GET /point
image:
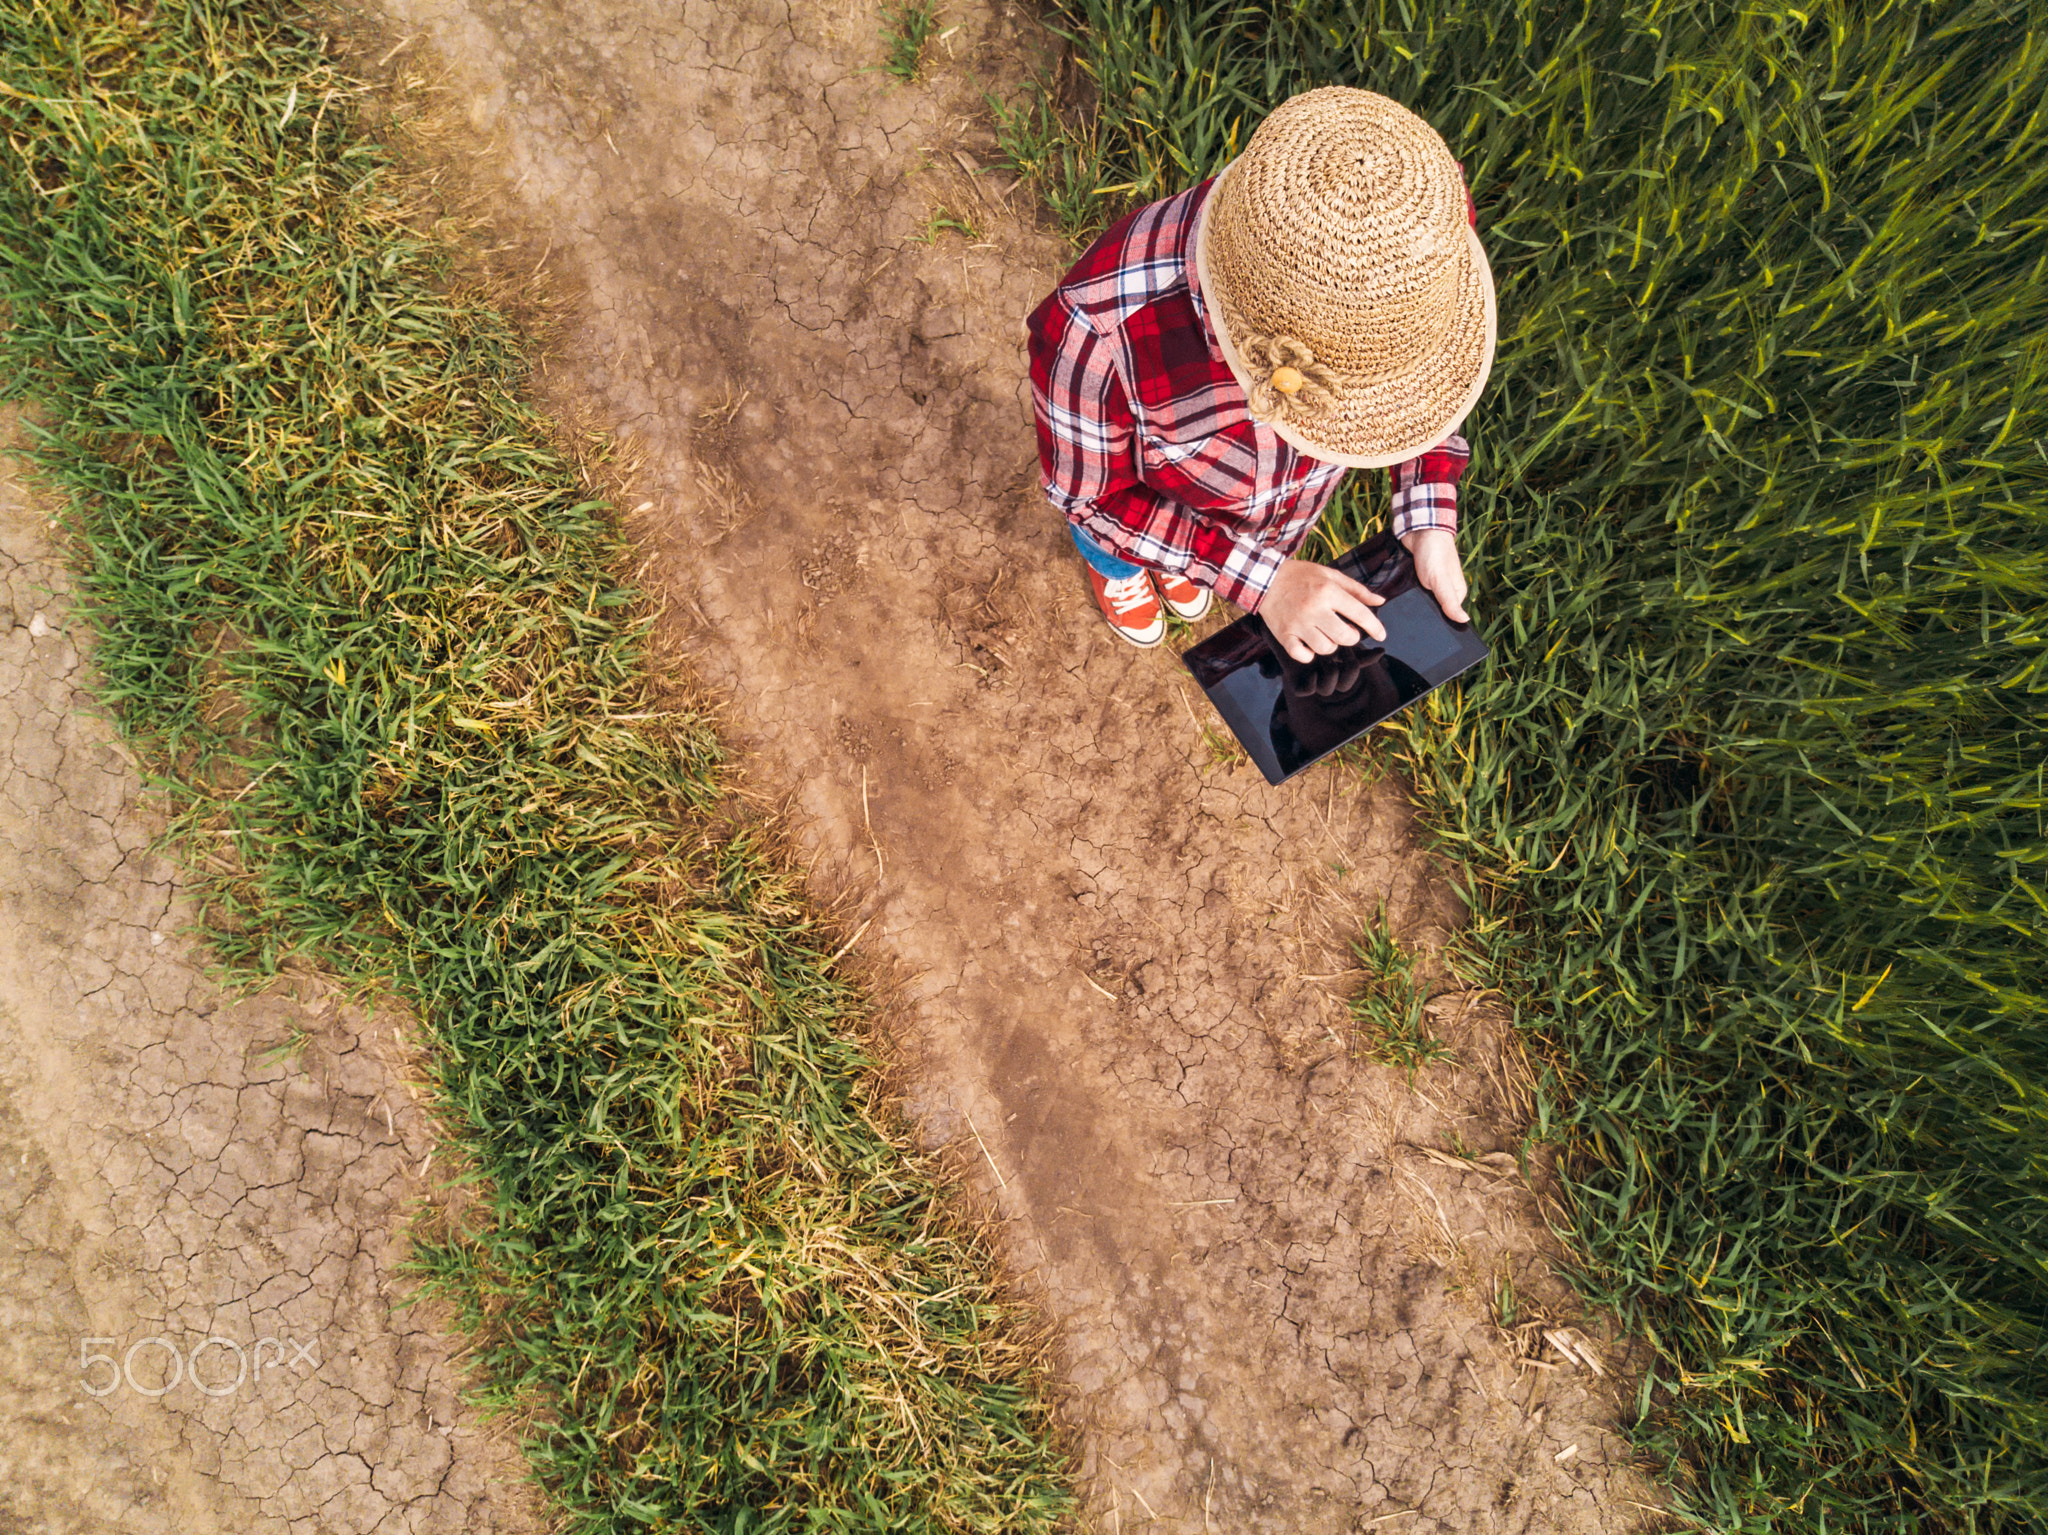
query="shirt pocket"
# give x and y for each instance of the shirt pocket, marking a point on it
(1200, 466)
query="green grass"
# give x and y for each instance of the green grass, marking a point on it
(361, 613)
(1058, 159)
(1389, 1004)
(1752, 795)
(942, 220)
(906, 29)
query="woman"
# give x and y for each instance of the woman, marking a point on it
(1210, 368)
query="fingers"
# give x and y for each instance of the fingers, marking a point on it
(1440, 573)
(1354, 588)
(1338, 631)
(1312, 638)
(1326, 633)
(1311, 643)
(1347, 610)
(1323, 610)
(1449, 591)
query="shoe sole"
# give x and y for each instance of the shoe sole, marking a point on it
(1143, 644)
(1184, 615)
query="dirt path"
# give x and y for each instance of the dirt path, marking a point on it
(206, 1194)
(1274, 1317)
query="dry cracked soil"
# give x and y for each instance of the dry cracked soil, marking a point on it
(1119, 959)
(201, 1196)
(1123, 960)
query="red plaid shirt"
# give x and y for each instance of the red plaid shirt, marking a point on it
(1145, 438)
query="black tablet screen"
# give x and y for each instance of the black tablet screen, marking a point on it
(1288, 715)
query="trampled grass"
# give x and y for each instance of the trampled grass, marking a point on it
(362, 614)
(1752, 795)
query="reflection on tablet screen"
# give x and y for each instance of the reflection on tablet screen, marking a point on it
(1287, 714)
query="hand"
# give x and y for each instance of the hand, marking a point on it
(1437, 569)
(1312, 610)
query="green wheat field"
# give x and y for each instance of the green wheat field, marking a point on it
(360, 611)
(1751, 797)
(1749, 806)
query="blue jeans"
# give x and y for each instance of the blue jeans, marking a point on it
(1104, 563)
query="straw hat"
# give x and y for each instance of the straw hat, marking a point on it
(1354, 300)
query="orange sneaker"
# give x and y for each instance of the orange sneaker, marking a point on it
(1131, 606)
(1188, 601)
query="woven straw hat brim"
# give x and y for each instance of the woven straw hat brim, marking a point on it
(1385, 421)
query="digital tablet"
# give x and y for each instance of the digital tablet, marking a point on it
(1288, 715)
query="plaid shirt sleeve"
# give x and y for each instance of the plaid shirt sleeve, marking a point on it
(1090, 468)
(1426, 488)
(1085, 425)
